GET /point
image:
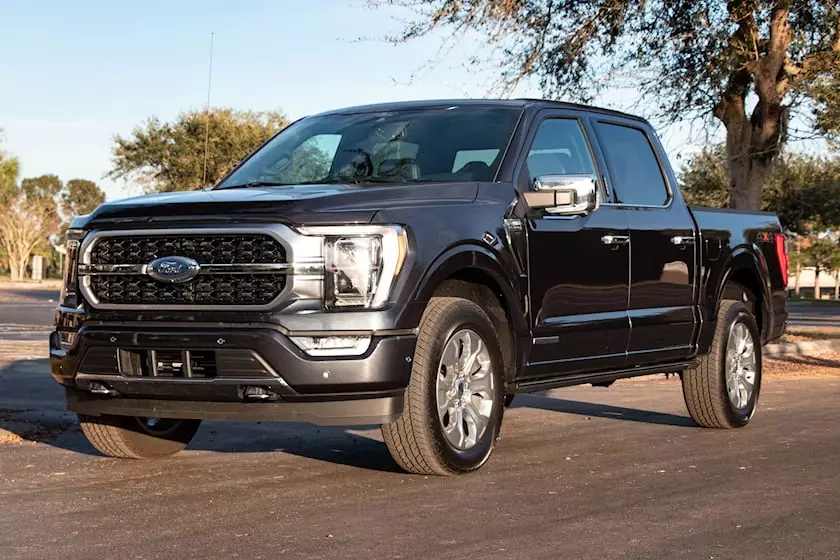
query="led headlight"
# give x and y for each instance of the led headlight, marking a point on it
(360, 263)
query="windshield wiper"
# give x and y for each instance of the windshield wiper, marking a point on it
(258, 184)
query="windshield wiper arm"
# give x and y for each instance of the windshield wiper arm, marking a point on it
(257, 184)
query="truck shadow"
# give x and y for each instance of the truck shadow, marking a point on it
(32, 410)
(599, 410)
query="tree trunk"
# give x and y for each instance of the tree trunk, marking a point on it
(837, 285)
(817, 283)
(17, 267)
(796, 281)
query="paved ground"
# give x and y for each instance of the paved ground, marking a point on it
(26, 313)
(814, 315)
(578, 473)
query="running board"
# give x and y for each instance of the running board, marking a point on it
(603, 377)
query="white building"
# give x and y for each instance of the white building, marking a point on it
(806, 283)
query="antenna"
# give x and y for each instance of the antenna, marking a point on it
(207, 112)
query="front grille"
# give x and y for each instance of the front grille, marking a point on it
(216, 289)
(205, 249)
(235, 270)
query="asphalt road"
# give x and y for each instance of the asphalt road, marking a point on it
(578, 473)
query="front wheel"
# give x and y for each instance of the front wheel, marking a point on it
(129, 437)
(454, 402)
(722, 391)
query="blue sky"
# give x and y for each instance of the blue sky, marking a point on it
(74, 74)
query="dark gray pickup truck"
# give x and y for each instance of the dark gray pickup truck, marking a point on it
(414, 265)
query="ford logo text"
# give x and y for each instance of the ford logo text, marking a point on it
(173, 270)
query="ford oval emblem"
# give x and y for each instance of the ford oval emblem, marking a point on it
(173, 270)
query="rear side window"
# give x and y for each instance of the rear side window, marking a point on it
(634, 170)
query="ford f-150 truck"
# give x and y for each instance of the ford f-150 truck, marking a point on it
(414, 265)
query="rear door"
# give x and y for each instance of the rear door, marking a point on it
(578, 265)
(663, 262)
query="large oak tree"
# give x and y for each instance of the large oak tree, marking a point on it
(750, 64)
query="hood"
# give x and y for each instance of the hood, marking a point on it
(298, 204)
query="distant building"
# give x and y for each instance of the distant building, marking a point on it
(806, 283)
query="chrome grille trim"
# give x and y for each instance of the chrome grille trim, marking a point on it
(303, 270)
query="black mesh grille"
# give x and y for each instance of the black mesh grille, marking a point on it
(205, 249)
(210, 289)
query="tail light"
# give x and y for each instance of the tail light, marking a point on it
(781, 254)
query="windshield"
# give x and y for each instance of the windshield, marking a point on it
(451, 144)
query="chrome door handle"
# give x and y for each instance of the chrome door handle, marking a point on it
(682, 240)
(615, 239)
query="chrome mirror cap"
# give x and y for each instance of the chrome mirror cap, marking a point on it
(565, 195)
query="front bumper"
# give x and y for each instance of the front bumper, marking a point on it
(293, 387)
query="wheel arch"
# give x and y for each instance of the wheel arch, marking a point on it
(743, 272)
(475, 273)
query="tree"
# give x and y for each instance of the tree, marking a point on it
(42, 193)
(802, 189)
(24, 224)
(166, 157)
(81, 196)
(8, 177)
(822, 254)
(746, 63)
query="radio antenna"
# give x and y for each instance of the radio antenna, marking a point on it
(207, 112)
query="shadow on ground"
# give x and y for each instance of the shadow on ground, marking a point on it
(598, 410)
(32, 410)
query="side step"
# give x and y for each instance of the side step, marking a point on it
(602, 378)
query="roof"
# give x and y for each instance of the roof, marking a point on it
(438, 103)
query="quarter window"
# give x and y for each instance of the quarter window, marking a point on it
(634, 170)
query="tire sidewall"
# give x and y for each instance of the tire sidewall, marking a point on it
(466, 315)
(739, 313)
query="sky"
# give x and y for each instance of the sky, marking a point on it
(75, 74)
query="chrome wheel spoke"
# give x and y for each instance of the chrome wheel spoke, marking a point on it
(465, 389)
(741, 360)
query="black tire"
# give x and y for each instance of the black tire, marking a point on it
(416, 440)
(704, 387)
(509, 400)
(127, 437)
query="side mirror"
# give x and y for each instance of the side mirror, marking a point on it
(564, 195)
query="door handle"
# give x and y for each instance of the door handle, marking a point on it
(615, 240)
(681, 240)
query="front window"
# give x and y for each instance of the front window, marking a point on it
(449, 144)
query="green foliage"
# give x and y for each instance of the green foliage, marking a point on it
(822, 253)
(81, 197)
(166, 157)
(703, 179)
(826, 94)
(803, 190)
(9, 169)
(41, 194)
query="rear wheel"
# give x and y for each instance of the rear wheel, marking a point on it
(454, 402)
(722, 391)
(129, 437)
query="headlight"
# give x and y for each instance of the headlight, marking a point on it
(360, 263)
(69, 291)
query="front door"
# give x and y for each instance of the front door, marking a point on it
(578, 265)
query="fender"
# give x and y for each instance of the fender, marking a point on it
(472, 256)
(742, 258)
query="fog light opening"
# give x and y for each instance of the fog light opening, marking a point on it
(103, 389)
(256, 393)
(332, 345)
